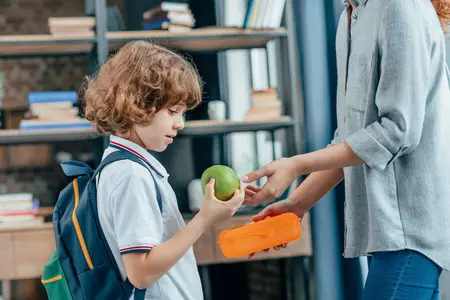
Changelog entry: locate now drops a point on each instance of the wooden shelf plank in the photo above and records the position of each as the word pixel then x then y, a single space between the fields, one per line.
pixel 192 128
pixel 208 127
pixel 15 136
pixel 201 39
pixel 44 44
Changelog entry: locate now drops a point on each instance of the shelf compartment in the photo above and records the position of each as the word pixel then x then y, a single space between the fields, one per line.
pixel 44 44
pixel 201 39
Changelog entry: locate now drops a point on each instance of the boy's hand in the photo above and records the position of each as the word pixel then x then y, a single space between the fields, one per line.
pixel 214 210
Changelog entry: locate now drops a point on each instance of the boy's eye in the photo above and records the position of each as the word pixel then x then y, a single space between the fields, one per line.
pixel 172 112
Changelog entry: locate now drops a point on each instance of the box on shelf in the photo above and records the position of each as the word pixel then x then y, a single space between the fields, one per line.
pixel 265 105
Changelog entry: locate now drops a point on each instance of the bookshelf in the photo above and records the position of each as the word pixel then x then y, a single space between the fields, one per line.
pixel 209 39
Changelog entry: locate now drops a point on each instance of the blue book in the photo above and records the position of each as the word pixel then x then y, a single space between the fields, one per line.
pixel 42 97
pixel 153 25
pixel 248 12
pixel 40 125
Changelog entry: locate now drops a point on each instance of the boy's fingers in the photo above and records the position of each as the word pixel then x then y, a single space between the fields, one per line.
pixel 238 198
pixel 210 188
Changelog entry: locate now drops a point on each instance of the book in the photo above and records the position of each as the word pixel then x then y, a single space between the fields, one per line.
pixel 264 13
pixel 46 125
pixel 52 96
pixel 72 22
pixel 170 16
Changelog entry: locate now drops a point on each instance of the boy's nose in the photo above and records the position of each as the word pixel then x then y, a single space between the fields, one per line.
pixel 179 125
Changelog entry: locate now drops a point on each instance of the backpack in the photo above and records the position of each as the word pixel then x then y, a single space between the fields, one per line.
pixel 83 266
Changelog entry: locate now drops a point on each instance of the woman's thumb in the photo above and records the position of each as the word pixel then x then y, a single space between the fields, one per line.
pixel 266 212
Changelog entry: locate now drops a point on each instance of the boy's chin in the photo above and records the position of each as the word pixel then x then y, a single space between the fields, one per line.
pixel 159 149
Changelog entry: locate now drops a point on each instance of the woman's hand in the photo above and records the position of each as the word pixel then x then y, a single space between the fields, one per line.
pixel 214 210
pixel 275 209
pixel 280 174
pixel 281 207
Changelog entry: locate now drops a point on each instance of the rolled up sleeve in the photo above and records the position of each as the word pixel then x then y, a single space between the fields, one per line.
pixel 335 139
pixel 401 95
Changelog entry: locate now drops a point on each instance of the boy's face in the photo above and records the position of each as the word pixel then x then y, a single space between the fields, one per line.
pixel 163 128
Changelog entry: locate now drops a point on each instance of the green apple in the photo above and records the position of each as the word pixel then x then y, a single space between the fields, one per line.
pixel 227 181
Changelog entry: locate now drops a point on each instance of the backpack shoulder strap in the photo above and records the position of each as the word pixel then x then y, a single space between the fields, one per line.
pixel 76 168
pixel 122 155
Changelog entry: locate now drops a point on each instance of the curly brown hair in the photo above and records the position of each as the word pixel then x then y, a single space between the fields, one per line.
pixel 137 82
pixel 443 11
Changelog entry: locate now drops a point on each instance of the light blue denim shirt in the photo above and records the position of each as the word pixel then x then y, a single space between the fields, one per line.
pixel 393 107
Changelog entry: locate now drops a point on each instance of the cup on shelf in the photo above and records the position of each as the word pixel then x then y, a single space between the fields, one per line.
pixel 216 110
pixel 195 195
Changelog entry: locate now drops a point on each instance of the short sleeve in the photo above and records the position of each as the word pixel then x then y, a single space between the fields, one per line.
pixel 137 218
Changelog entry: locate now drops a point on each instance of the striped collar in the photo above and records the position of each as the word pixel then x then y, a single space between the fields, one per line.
pixel 124 144
pixel 355 2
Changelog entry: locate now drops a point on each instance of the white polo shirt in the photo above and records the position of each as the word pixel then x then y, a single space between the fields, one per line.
pixel 132 222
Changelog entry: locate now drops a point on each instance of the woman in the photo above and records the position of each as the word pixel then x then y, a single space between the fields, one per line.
pixel 391 146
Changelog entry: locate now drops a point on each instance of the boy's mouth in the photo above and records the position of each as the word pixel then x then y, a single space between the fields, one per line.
pixel 170 138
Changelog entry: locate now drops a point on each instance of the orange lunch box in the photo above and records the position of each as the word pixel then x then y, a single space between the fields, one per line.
pixel 261 235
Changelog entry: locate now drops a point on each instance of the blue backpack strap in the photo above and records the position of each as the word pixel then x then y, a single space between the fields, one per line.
pixel 121 155
pixel 76 168
pixel 138 294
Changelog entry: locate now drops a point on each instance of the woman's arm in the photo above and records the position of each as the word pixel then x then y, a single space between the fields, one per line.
pixel 282 172
pixel 305 196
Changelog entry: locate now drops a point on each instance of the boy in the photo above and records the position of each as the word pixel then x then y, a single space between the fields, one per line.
pixel 138 98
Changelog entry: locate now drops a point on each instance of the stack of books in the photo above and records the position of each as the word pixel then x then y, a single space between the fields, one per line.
pixel 53 110
pixel 171 16
pixel 18 210
pixel 264 13
pixel 265 106
pixel 71 26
